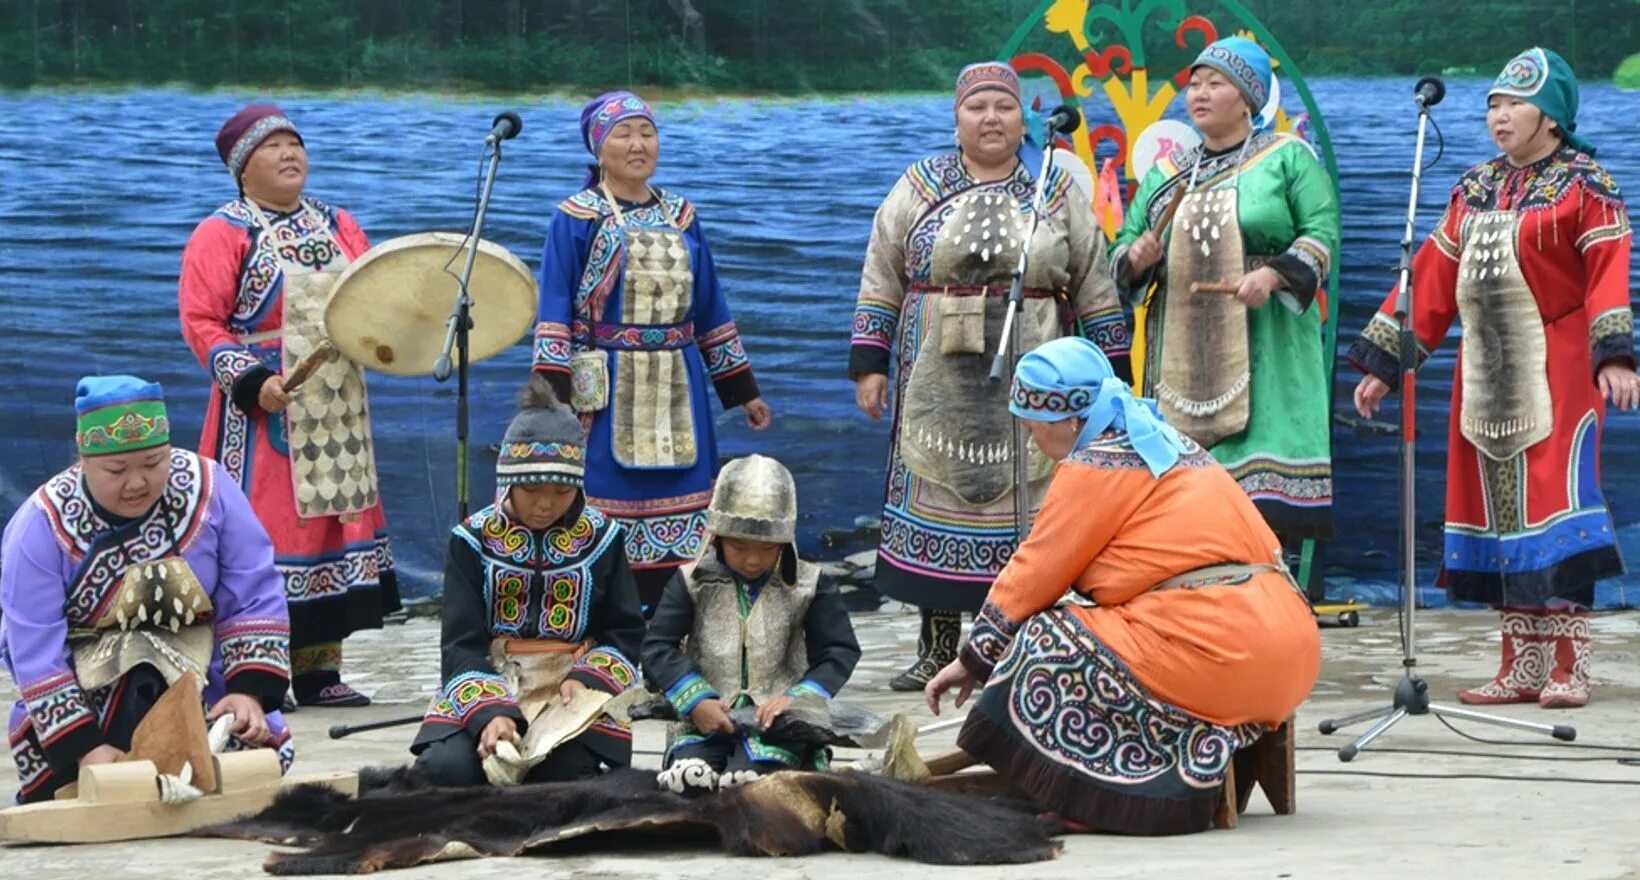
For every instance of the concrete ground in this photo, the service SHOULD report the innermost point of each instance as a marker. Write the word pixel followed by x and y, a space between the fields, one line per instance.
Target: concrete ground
pixel 1367 819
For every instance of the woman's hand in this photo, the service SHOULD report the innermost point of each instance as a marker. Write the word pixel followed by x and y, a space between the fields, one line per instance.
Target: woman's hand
pixel 871 394
pixel 273 398
pixel 954 675
pixel 758 414
pixel 1620 385
pixel 499 728
pixel 250 723
pixel 1255 287
pixel 1145 252
pixel 1369 394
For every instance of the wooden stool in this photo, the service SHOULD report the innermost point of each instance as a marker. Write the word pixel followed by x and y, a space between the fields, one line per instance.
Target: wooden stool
pixel 1267 763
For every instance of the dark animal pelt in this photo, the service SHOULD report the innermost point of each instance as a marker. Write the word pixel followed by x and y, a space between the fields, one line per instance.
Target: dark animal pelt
pixel 785 814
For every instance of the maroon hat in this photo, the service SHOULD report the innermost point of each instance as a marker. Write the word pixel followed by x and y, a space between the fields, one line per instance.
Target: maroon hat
pixel 246 130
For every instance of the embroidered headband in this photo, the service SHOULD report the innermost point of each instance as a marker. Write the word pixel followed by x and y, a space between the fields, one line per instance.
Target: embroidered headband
pixel 115 414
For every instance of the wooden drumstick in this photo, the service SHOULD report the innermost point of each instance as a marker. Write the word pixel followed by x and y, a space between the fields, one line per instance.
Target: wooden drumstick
pixel 323 354
pixel 1214 287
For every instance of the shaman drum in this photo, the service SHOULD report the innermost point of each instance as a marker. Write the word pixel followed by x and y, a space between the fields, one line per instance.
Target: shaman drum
pixel 391 308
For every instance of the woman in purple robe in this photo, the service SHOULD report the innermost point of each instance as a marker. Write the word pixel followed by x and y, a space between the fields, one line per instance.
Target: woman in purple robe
pixel 139 564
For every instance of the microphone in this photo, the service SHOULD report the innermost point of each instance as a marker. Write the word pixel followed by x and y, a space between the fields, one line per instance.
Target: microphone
pixel 507 125
pixel 1064 119
pixel 1428 92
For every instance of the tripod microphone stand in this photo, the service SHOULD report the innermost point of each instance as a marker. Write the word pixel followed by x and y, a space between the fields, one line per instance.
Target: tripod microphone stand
pixel 1412 693
pixel 1064 119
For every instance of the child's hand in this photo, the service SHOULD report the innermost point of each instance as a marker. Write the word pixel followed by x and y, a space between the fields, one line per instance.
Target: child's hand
pixel 711 717
pixel 768 712
pixel 500 728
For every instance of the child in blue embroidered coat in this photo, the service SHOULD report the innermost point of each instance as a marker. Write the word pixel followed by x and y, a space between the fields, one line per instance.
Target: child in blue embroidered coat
pixel 539 604
pixel 748 624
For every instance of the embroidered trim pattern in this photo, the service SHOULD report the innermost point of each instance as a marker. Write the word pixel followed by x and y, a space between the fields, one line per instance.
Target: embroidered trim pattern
pixel 1068 402
pixel 552 347
pixel 358 566
pixel 874 322
pixel 468 693
pixel 255 644
pixel 633 337
pixel 690 691
pixel 992 633
pixel 57 706
pixel 610 667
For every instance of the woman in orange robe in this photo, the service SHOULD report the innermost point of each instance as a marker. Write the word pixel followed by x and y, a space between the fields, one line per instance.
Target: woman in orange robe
pixel 1184 637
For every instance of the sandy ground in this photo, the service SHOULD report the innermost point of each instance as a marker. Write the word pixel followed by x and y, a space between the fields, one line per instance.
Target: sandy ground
pixel 1369 818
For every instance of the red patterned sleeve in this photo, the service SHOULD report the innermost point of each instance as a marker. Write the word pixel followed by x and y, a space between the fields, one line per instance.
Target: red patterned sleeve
pixel 206 295
pixel 1605 240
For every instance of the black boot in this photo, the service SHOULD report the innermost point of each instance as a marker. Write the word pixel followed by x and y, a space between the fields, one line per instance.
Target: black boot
pixel 936 647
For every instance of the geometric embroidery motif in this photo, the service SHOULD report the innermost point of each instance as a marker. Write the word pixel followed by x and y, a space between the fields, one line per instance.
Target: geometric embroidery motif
pixel 1078 704
pixel 466 694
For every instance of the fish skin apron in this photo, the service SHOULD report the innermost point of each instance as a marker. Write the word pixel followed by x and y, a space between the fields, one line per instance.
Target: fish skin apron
pixel 327 423
pixel 653 426
pixel 1204 378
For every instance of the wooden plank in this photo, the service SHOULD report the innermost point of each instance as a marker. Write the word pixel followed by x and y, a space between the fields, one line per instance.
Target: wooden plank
pixel 986 783
pixel 950 762
pixel 78 821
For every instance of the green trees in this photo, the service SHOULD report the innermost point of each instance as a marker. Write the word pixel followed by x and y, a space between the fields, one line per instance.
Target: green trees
pixel 718 45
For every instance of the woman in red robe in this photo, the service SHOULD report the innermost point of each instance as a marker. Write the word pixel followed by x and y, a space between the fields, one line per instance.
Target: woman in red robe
pixel 239 262
pixel 1533 255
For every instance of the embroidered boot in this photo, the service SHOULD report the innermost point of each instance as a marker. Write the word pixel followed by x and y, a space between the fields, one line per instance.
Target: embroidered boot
pixel 1567 635
pixel 936 646
pixel 1525 667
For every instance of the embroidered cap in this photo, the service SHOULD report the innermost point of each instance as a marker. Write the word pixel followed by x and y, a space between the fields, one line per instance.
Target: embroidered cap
pixel 244 131
pixel 987 75
pixel 600 116
pixel 1248 66
pixel 1543 79
pixel 115 414
pixel 754 499
pixel 544 442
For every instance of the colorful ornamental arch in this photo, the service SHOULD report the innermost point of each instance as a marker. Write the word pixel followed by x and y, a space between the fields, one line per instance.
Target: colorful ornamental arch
pixel 1134 57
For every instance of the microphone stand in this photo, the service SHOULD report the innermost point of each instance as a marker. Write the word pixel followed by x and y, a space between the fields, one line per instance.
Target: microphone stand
pixel 1412 693
pixel 455 336
pixel 1008 346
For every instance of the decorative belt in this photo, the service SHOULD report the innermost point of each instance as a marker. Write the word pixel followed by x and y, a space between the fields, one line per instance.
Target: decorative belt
pixel 1232 573
pixel 513 647
pixel 1215 575
pixel 981 290
pixel 643 337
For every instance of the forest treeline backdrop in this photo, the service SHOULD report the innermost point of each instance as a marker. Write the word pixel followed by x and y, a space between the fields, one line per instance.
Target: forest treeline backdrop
pixel 781 46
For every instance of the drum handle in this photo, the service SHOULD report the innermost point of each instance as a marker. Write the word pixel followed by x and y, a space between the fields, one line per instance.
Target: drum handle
pixel 323 354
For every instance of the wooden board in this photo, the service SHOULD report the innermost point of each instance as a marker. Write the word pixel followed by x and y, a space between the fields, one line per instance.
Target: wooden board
pixel 128 807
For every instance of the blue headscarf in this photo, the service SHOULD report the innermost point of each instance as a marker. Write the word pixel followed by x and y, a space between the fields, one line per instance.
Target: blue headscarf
pixel 1070 377
pixel 1248 66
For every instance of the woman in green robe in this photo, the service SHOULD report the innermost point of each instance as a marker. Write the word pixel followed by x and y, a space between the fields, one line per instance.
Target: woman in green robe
pixel 1226 247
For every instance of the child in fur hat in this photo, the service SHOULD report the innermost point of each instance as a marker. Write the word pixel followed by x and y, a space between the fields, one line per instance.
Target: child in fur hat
pixel 748 624
pixel 539 605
